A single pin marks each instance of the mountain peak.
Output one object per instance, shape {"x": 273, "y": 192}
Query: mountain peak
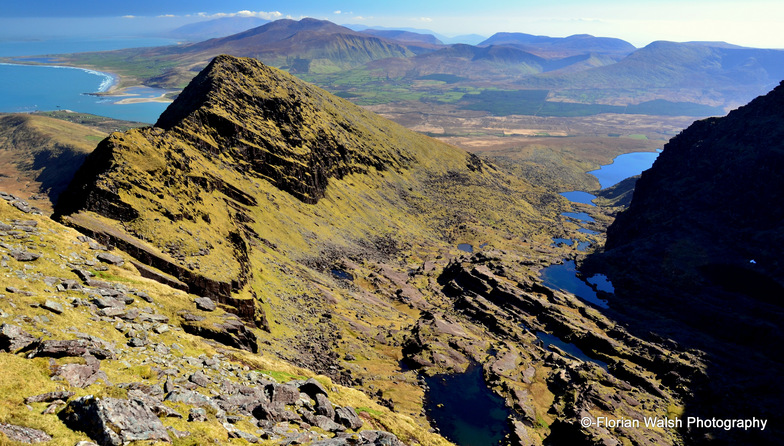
{"x": 282, "y": 127}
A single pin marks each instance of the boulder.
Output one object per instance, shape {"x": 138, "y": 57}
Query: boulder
{"x": 54, "y": 307}
{"x": 13, "y": 338}
{"x": 48, "y": 397}
{"x": 276, "y": 412}
{"x": 23, "y": 434}
{"x": 71, "y": 348}
{"x": 200, "y": 379}
{"x": 324, "y": 406}
{"x": 112, "y": 421}
{"x": 311, "y": 388}
{"x": 82, "y": 375}
{"x": 205, "y": 304}
{"x": 110, "y": 258}
{"x": 190, "y": 398}
{"x": 283, "y": 394}
{"x": 24, "y": 256}
{"x": 197, "y": 414}
{"x": 348, "y": 417}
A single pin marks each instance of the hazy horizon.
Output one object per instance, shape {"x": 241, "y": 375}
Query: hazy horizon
{"x": 752, "y": 23}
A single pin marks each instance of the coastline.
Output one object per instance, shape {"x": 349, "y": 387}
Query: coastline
{"x": 108, "y": 87}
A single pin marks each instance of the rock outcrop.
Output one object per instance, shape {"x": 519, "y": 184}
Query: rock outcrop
{"x": 114, "y": 422}
{"x": 696, "y": 256}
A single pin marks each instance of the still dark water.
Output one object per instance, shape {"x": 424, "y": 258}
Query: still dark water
{"x": 564, "y": 277}
{"x": 465, "y": 410}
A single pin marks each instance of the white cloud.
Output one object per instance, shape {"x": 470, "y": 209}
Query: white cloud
{"x": 425, "y": 19}
{"x": 271, "y": 15}
{"x": 337, "y": 12}
{"x": 129, "y": 16}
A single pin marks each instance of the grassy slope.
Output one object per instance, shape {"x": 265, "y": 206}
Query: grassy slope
{"x": 23, "y": 377}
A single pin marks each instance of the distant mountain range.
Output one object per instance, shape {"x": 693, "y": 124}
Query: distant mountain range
{"x": 580, "y": 69}
{"x": 703, "y": 72}
{"x": 553, "y": 47}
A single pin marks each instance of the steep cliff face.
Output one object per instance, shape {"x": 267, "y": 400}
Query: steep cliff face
{"x": 712, "y": 197}
{"x": 697, "y": 255}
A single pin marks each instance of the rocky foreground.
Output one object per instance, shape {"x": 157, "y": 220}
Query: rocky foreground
{"x": 96, "y": 354}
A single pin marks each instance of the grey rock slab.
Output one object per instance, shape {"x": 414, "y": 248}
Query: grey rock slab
{"x": 110, "y": 258}
{"x": 112, "y": 421}
{"x": 13, "y": 338}
{"x": 23, "y": 434}
{"x": 24, "y": 256}
{"x": 48, "y": 397}
{"x": 71, "y": 348}
{"x": 82, "y": 375}
{"x": 200, "y": 379}
{"x": 54, "y": 307}
{"x": 205, "y": 304}
{"x": 348, "y": 417}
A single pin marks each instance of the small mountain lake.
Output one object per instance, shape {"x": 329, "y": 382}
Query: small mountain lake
{"x": 465, "y": 247}
{"x": 580, "y": 216}
{"x": 624, "y": 166}
{"x": 578, "y": 196}
{"x": 564, "y": 277}
{"x": 465, "y": 411}
{"x": 548, "y": 339}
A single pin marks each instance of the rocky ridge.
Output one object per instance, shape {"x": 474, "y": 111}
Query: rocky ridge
{"x": 348, "y": 268}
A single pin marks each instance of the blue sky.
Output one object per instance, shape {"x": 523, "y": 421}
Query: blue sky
{"x": 751, "y": 22}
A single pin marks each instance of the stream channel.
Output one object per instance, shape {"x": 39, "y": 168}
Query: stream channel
{"x": 464, "y": 409}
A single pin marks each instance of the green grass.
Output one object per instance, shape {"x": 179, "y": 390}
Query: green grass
{"x": 446, "y": 78}
{"x": 369, "y": 410}
{"x": 281, "y": 377}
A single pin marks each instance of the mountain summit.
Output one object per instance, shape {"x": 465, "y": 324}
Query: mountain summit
{"x": 241, "y": 159}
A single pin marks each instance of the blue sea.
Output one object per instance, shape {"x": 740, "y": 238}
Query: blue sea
{"x": 28, "y": 88}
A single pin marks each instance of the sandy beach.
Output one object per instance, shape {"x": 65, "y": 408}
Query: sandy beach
{"x": 162, "y": 98}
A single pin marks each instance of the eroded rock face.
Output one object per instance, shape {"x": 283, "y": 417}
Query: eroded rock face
{"x": 112, "y": 421}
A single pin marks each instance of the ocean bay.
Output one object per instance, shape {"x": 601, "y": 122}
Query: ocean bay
{"x": 30, "y": 88}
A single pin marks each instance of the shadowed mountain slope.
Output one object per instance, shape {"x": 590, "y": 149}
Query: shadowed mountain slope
{"x": 696, "y": 255}
{"x": 39, "y": 154}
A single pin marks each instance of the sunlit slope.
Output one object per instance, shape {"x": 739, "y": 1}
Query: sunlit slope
{"x": 249, "y": 161}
